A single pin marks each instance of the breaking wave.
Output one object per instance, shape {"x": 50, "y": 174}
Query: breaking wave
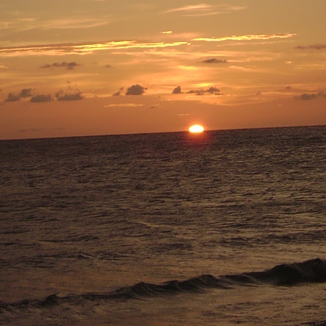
{"x": 311, "y": 271}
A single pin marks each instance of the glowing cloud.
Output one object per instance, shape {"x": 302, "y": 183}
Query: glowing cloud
{"x": 124, "y": 105}
{"x": 204, "y": 9}
{"x": 202, "y": 6}
{"x": 249, "y": 37}
{"x": 82, "y": 49}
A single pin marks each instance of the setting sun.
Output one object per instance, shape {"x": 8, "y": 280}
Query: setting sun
{"x": 196, "y": 129}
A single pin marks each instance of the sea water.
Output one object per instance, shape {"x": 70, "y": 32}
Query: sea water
{"x": 218, "y": 228}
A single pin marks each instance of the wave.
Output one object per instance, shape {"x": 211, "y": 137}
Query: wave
{"x": 310, "y": 271}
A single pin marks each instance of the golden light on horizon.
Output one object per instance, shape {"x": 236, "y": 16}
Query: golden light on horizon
{"x": 195, "y": 129}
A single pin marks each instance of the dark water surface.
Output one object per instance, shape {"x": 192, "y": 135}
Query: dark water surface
{"x": 220, "y": 228}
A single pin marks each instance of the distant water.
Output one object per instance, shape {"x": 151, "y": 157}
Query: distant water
{"x": 221, "y": 228}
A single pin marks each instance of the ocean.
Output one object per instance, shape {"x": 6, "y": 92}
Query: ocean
{"x": 220, "y": 228}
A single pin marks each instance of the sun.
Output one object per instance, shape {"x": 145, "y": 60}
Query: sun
{"x": 195, "y": 129}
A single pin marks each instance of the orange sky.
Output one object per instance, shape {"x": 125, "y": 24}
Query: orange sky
{"x": 94, "y": 67}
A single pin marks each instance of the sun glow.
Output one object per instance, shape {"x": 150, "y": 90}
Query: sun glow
{"x": 196, "y": 129}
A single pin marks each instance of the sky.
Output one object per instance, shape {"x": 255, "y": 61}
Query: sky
{"x": 100, "y": 67}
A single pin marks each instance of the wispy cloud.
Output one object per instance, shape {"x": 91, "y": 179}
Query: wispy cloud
{"x": 199, "y": 7}
{"x": 79, "y": 23}
{"x": 214, "y": 61}
{"x": 33, "y": 23}
{"x": 312, "y": 47}
{"x": 312, "y": 96}
{"x": 67, "y": 65}
{"x": 249, "y": 37}
{"x": 129, "y": 105}
{"x": 204, "y": 9}
{"x": 85, "y": 48}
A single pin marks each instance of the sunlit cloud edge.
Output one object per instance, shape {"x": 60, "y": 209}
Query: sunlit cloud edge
{"x": 82, "y": 49}
{"x": 248, "y": 37}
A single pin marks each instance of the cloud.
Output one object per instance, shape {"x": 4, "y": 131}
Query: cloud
{"x": 24, "y": 93}
{"x": 41, "y": 98}
{"x": 84, "y": 48}
{"x": 312, "y": 96}
{"x": 249, "y": 37}
{"x": 75, "y": 23}
{"x": 22, "y": 131}
{"x": 199, "y": 92}
{"x": 16, "y": 24}
{"x": 312, "y": 47}
{"x": 204, "y": 9}
{"x": 192, "y": 8}
{"x": 177, "y": 90}
{"x": 68, "y": 65}
{"x": 129, "y": 105}
{"x": 214, "y": 60}
{"x": 74, "y": 96}
{"x": 135, "y": 90}
{"x": 13, "y": 97}
{"x": 119, "y": 92}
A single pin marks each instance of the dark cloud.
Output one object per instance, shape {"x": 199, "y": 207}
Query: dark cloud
{"x": 22, "y": 131}
{"x": 312, "y": 96}
{"x": 26, "y": 92}
{"x": 119, "y": 92}
{"x": 312, "y": 47}
{"x": 213, "y": 90}
{"x": 135, "y": 90}
{"x": 108, "y": 66}
{"x": 12, "y": 97}
{"x": 41, "y": 98}
{"x": 199, "y": 92}
{"x": 177, "y": 90}
{"x": 62, "y": 96}
{"x": 214, "y": 60}
{"x": 67, "y": 65}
